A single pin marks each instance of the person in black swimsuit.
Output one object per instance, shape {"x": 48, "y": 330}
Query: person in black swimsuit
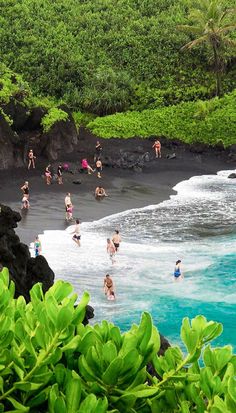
{"x": 59, "y": 174}
{"x": 98, "y": 151}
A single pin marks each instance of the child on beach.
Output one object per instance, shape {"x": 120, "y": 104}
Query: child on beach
{"x": 177, "y": 271}
{"x": 69, "y": 212}
{"x": 37, "y": 246}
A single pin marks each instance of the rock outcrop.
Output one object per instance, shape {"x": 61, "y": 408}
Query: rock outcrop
{"x": 8, "y": 144}
{"x": 24, "y": 270}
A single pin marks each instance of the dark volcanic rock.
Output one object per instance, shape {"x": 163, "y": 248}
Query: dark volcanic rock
{"x": 24, "y": 270}
{"x": 35, "y": 118}
{"x": 18, "y": 112}
{"x": 233, "y": 175}
{"x": 61, "y": 139}
{"x": 8, "y": 142}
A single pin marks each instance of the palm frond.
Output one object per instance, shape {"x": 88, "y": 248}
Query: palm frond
{"x": 194, "y": 43}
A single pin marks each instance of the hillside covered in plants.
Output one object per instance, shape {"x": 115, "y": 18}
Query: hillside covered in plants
{"x": 100, "y": 57}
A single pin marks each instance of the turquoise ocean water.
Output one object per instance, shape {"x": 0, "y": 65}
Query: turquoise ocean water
{"x": 197, "y": 225}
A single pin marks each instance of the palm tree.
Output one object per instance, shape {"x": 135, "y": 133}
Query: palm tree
{"x": 211, "y": 24}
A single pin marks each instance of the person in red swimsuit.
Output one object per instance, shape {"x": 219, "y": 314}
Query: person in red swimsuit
{"x": 157, "y": 148}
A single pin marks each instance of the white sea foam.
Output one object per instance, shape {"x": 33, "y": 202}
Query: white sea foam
{"x": 193, "y": 226}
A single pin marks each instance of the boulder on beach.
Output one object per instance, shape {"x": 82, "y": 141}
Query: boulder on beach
{"x": 233, "y": 175}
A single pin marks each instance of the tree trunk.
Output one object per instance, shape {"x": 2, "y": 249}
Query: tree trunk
{"x": 217, "y": 69}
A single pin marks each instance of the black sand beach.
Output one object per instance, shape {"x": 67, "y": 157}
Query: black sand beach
{"x": 126, "y": 190}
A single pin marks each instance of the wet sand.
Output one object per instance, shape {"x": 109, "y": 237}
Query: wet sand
{"x": 126, "y": 190}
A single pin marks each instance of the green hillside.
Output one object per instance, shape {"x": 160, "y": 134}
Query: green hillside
{"x": 104, "y": 56}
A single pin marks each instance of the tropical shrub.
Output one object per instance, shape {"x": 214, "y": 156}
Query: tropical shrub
{"x": 51, "y": 363}
{"x": 54, "y": 115}
{"x": 76, "y": 50}
{"x": 188, "y": 122}
{"x": 12, "y": 86}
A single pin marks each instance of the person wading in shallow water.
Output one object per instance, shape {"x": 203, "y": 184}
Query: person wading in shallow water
{"x": 76, "y": 237}
{"x": 111, "y": 250}
{"x": 157, "y": 148}
{"x": 108, "y": 285}
{"x": 116, "y": 239}
{"x": 31, "y": 159}
{"x": 177, "y": 271}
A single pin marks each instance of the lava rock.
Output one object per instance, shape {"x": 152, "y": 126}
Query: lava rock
{"x": 233, "y": 175}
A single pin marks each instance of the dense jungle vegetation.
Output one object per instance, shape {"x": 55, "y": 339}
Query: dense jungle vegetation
{"x": 103, "y": 57}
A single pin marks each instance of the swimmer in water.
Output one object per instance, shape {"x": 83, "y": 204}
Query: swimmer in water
{"x": 108, "y": 285}
{"x": 177, "y": 271}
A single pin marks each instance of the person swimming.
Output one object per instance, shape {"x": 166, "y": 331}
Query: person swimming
{"x": 177, "y": 270}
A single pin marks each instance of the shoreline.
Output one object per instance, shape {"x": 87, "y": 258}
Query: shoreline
{"x": 126, "y": 189}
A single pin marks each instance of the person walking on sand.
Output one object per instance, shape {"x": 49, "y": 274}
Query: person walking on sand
{"x": 67, "y": 203}
{"x": 76, "y": 237}
{"x": 177, "y": 271}
{"x": 98, "y": 151}
{"x": 31, "y": 159}
{"x": 59, "y": 174}
{"x": 111, "y": 250}
{"x": 48, "y": 175}
{"x": 116, "y": 239}
{"x": 86, "y": 166}
{"x": 100, "y": 192}
{"x": 37, "y": 246}
{"x": 157, "y": 148}
{"x": 99, "y": 167}
{"x": 108, "y": 285}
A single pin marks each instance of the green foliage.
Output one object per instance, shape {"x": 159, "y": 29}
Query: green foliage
{"x": 211, "y": 23}
{"x": 96, "y": 55}
{"x": 12, "y": 86}
{"x": 6, "y": 117}
{"x": 54, "y": 115}
{"x": 51, "y": 363}
{"x": 207, "y": 122}
{"x": 82, "y": 119}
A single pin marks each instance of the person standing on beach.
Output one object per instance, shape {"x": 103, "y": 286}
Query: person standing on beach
{"x": 157, "y": 148}
{"x": 98, "y": 151}
{"x": 31, "y": 159}
{"x": 76, "y": 237}
{"x": 177, "y": 271}
{"x": 37, "y": 246}
{"x": 67, "y": 203}
{"x": 48, "y": 175}
{"x": 116, "y": 239}
{"x": 25, "y": 199}
{"x": 59, "y": 174}
{"x": 108, "y": 285}
{"x": 99, "y": 168}
{"x": 111, "y": 250}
